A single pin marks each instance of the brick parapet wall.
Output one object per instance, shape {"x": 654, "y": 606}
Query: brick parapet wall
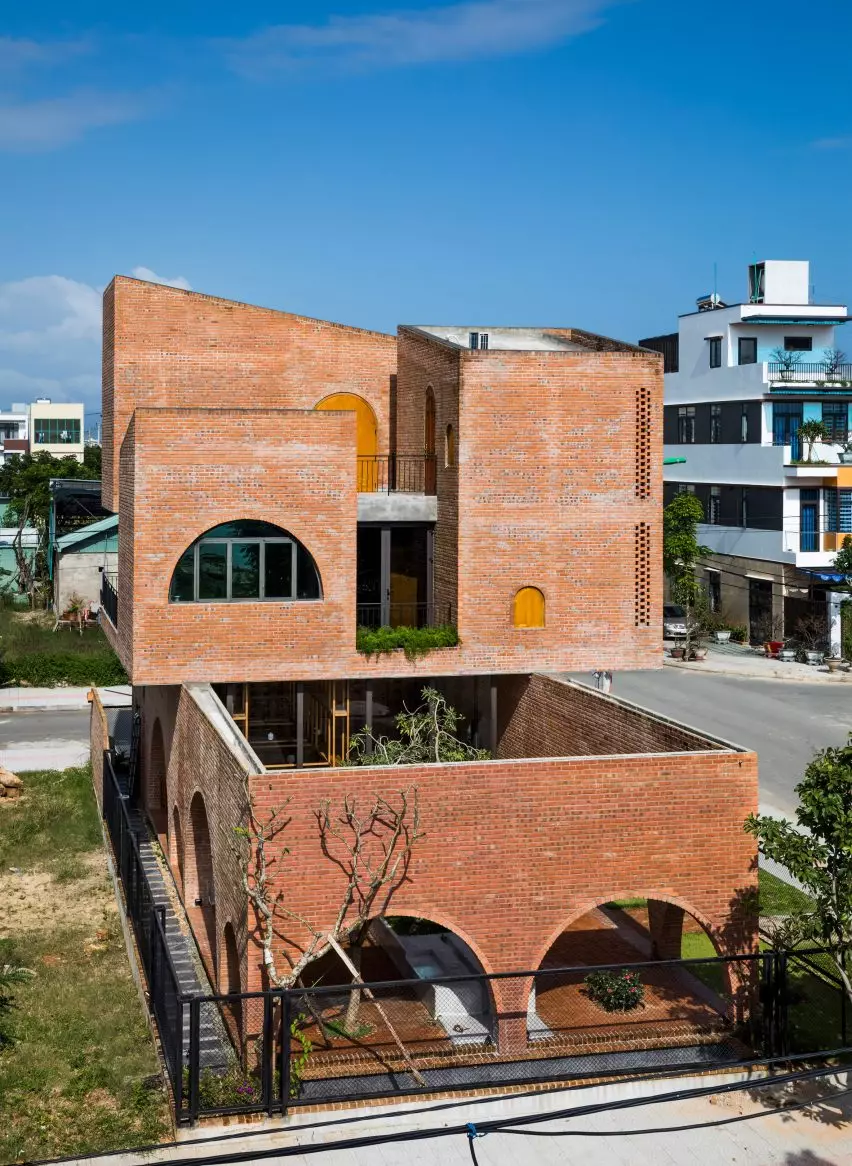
{"x": 542, "y": 716}
{"x": 165, "y": 347}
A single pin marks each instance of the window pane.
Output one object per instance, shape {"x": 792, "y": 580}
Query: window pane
{"x": 183, "y": 579}
{"x": 279, "y": 571}
{"x": 212, "y": 571}
{"x": 245, "y": 570}
{"x": 748, "y": 350}
{"x": 307, "y": 580}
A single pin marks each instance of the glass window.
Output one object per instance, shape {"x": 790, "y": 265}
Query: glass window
{"x": 224, "y": 564}
{"x": 278, "y": 576}
{"x": 245, "y": 570}
{"x": 686, "y": 424}
{"x": 714, "y": 505}
{"x": 799, "y": 343}
{"x": 213, "y": 570}
{"x": 715, "y": 351}
{"x": 715, "y": 423}
{"x": 838, "y": 511}
{"x": 56, "y": 431}
{"x": 747, "y": 350}
{"x": 744, "y": 513}
{"x": 835, "y": 417}
{"x": 714, "y": 590}
{"x": 744, "y": 422}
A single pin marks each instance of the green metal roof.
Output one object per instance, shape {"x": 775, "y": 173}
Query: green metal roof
{"x": 786, "y": 320}
{"x": 103, "y": 526}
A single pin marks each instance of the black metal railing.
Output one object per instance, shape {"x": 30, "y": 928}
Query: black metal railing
{"x": 413, "y": 1037}
{"x": 149, "y": 928}
{"x": 397, "y": 473}
{"x": 409, "y": 615}
{"x": 109, "y": 598}
{"x": 806, "y": 373}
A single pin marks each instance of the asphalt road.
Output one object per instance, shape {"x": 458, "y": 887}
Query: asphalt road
{"x": 783, "y": 721}
{"x": 43, "y": 740}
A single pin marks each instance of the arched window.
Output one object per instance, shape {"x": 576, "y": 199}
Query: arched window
{"x": 528, "y": 609}
{"x": 449, "y": 447}
{"x": 245, "y": 560}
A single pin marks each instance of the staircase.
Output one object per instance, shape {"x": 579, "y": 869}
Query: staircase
{"x": 215, "y": 1050}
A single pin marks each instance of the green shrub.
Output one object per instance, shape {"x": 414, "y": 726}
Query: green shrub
{"x": 413, "y": 641}
{"x": 615, "y": 991}
{"x": 47, "y": 669}
{"x": 739, "y": 633}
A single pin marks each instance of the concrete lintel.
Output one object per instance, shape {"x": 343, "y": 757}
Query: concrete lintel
{"x": 384, "y": 507}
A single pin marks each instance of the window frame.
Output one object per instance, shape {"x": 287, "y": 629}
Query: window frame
{"x": 715, "y": 351}
{"x": 837, "y": 409}
{"x": 798, "y": 344}
{"x": 686, "y": 424}
{"x": 741, "y": 341}
{"x": 714, "y": 506}
{"x": 46, "y": 431}
{"x": 715, "y": 423}
{"x": 261, "y": 597}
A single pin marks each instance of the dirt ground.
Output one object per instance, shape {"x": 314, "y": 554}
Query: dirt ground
{"x": 36, "y": 900}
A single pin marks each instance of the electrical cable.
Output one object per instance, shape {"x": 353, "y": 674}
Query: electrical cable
{"x": 500, "y": 1124}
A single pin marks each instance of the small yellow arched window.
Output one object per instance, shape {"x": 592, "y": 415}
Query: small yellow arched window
{"x": 528, "y": 610}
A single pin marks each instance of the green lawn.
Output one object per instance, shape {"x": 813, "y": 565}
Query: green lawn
{"x": 778, "y": 897}
{"x": 34, "y": 653}
{"x": 78, "y": 1069}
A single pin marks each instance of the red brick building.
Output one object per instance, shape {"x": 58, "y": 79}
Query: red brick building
{"x": 280, "y": 481}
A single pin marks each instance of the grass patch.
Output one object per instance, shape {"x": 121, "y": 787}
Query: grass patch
{"x": 34, "y": 654}
{"x": 626, "y": 904}
{"x": 78, "y": 1069}
{"x": 413, "y": 641}
{"x": 778, "y": 897}
{"x": 53, "y": 825}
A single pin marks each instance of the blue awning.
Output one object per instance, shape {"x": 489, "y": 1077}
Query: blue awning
{"x": 825, "y": 576}
{"x": 787, "y": 321}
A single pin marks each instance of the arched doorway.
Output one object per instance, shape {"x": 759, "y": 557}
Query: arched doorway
{"x": 230, "y": 982}
{"x": 638, "y": 940}
{"x": 429, "y": 440}
{"x": 176, "y": 855}
{"x": 156, "y": 791}
{"x": 432, "y": 1020}
{"x": 199, "y": 888}
{"x": 369, "y": 476}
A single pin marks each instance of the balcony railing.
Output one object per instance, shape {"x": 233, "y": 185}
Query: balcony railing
{"x": 397, "y": 474}
{"x": 808, "y": 373}
{"x": 109, "y": 598}
{"x": 410, "y": 615}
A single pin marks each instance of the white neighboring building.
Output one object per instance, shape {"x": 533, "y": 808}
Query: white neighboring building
{"x": 740, "y": 380}
{"x": 14, "y": 430}
{"x": 56, "y": 428}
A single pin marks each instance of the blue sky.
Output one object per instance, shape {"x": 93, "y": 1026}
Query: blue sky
{"x": 494, "y": 161}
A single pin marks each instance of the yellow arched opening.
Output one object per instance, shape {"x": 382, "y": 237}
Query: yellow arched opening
{"x": 528, "y": 611}
{"x": 367, "y": 440}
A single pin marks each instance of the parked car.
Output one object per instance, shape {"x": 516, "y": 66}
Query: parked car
{"x": 674, "y": 621}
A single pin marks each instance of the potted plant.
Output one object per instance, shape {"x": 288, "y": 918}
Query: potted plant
{"x": 739, "y": 633}
{"x": 832, "y": 359}
{"x": 845, "y": 454}
{"x": 677, "y": 652}
{"x": 722, "y": 635}
{"x": 788, "y": 358}
{"x": 835, "y": 663}
{"x": 811, "y": 432}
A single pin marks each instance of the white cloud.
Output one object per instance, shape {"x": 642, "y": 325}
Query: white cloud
{"x": 56, "y": 121}
{"x": 20, "y": 53}
{"x": 454, "y": 32}
{"x": 841, "y": 143}
{"x": 151, "y": 277}
{"x": 50, "y": 338}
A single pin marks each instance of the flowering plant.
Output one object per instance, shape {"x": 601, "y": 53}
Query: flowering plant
{"x": 620, "y": 991}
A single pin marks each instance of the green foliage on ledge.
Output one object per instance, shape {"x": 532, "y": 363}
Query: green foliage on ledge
{"x": 413, "y": 641}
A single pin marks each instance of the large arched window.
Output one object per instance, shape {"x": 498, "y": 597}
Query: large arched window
{"x": 245, "y": 560}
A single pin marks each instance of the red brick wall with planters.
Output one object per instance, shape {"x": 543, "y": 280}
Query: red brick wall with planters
{"x": 165, "y": 347}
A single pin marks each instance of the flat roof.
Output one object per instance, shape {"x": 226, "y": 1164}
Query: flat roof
{"x": 521, "y": 338}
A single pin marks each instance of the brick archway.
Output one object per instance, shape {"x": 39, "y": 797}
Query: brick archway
{"x": 199, "y": 885}
{"x": 176, "y": 851}
{"x": 156, "y": 785}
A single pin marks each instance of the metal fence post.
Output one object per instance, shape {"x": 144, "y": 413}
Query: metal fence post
{"x": 267, "y": 1056}
{"x": 783, "y": 1004}
{"x": 194, "y": 1051}
{"x": 178, "y": 1081}
{"x": 286, "y": 1021}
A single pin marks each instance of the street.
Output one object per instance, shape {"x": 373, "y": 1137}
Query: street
{"x": 783, "y": 721}
{"x": 52, "y": 739}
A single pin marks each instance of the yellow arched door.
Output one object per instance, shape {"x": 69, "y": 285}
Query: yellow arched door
{"x": 369, "y": 471}
{"x": 528, "y": 608}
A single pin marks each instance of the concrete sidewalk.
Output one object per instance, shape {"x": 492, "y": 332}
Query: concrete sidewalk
{"x": 59, "y": 699}
{"x": 755, "y": 666}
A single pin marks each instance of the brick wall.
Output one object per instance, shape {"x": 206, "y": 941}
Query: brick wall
{"x": 165, "y": 347}
{"x": 541, "y": 716}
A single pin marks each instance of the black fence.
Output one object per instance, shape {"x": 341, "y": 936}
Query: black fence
{"x": 807, "y": 372}
{"x": 409, "y": 615}
{"x": 397, "y": 473}
{"x": 148, "y": 927}
{"x": 337, "y": 1043}
{"x": 109, "y": 599}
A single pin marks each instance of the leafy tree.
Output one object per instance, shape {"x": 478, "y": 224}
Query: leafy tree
{"x": 822, "y": 858}
{"x": 25, "y": 481}
{"x": 426, "y": 735}
{"x": 681, "y": 548}
{"x": 811, "y": 432}
{"x": 842, "y": 561}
